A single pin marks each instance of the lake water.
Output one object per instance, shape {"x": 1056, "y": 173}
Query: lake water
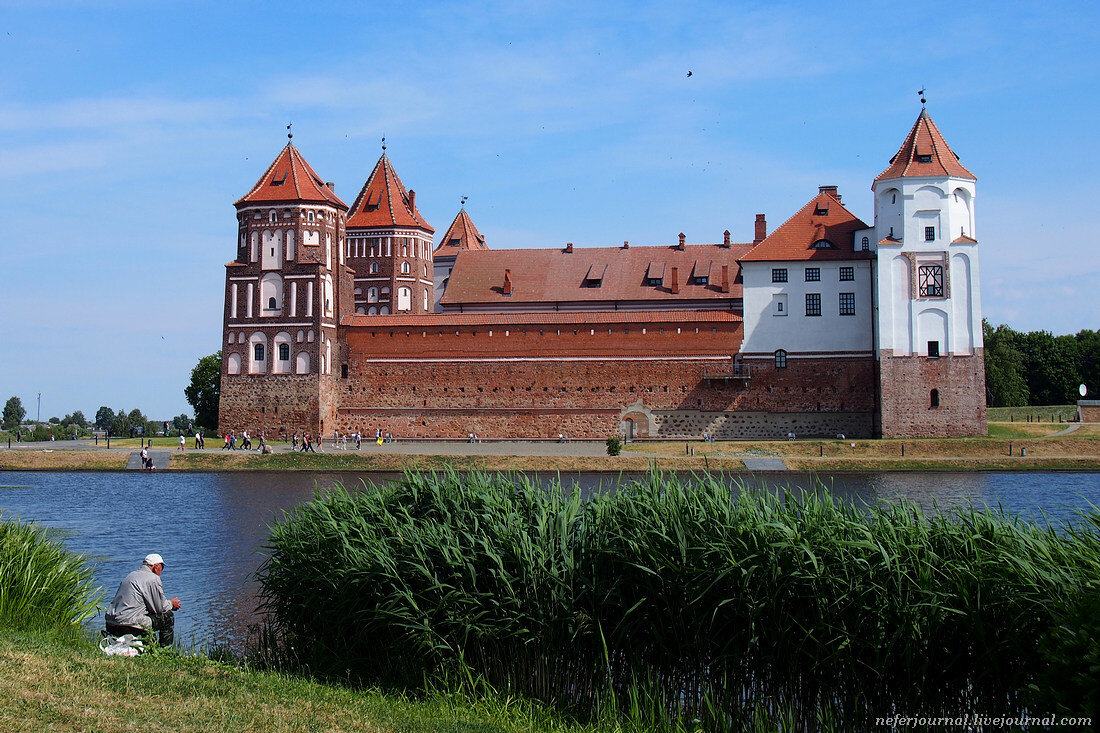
{"x": 211, "y": 527}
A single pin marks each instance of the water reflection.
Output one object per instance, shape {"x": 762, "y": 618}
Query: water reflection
{"x": 211, "y": 527}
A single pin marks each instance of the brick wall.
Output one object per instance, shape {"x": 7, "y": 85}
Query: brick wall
{"x": 269, "y": 402}
{"x": 906, "y": 394}
{"x": 578, "y": 379}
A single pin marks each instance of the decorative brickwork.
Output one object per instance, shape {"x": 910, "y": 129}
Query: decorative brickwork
{"x": 907, "y": 398}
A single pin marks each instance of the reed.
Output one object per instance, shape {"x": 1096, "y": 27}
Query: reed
{"x": 42, "y": 585}
{"x": 686, "y": 600}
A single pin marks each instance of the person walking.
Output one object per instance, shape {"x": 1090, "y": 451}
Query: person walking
{"x": 181, "y": 440}
{"x": 139, "y": 605}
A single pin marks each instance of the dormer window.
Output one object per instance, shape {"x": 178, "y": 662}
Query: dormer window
{"x": 823, "y": 244}
{"x": 594, "y": 277}
{"x": 821, "y": 210}
{"x": 455, "y": 242}
{"x": 654, "y": 281}
{"x": 924, "y": 158}
{"x": 280, "y": 181}
{"x": 700, "y": 280}
{"x": 865, "y": 244}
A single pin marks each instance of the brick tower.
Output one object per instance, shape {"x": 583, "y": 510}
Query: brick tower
{"x": 284, "y": 294}
{"x": 929, "y": 325}
{"x": 389, "y": 246}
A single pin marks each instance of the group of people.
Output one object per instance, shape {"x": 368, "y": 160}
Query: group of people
{"x": 307, "y": 443}
{"x": 246, "y": 441}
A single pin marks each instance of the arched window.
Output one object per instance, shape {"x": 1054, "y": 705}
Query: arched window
{"x": 425, "y": 300}
{"x": 272, "y": 216}
{"x": 780, "y": 359}
{"x": 384, "y": 311}
{"x": 865, "y": 244}
{"x": 271, "y": 294}
{"x": 372, "y": 295}
{"x": 404, "y": 268}
{"x": 374, "y": 268}
{"x": 934, "y": 399}
{"x": 404, "y": 299}
{"x": 311, "y": 216}
{"x": 257, "y": 352}
{"x": 372, "y": 311}
{"x": 328, "y": 295}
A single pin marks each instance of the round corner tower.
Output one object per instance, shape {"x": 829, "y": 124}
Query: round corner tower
{"x": 284, "y": 294}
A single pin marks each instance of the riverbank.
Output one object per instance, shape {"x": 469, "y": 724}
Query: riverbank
{"x": 58, "y": 681}
{"x": 1011, "y": 446}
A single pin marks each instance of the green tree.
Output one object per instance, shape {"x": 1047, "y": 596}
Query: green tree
{"x": 13, "y": 413}
{"x": 1088, "y": 361}
{"x": 76, "y": 418}
{"x": 1050, "y": 367}
{"x": 205, "y": 390}
{"x": 104, "y": 416}
{"x": 180, "y": 422}
{"x": 1005, "y": 385}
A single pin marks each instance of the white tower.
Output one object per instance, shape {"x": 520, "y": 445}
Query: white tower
{"x": 928, "y": 328}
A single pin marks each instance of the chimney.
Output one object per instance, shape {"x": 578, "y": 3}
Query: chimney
{"x": 569, "y": 248}
{"x": 412, "y": 200}
{"x": 761, "y": 229}
{"x": 330, "y": 186}
{"x": 675, "y": 281}
{"x": 507, "y": 282}
{"x": 829, "y": 191}
{"x": 725, "y": 278}
{"x": 626, "y": 244}
{"x": 681, "y": 245}
{"x": 726, "y": 238}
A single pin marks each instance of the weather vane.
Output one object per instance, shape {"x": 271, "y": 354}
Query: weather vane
{"x": 922, "y": 99}
{"x": 383, "y": 143}
{"x": 289, "y": 132}
{"x": 464, "y": 200}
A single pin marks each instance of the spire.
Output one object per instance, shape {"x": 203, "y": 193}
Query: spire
{"x": 461, "y": 235}
{"x": 384, "y": 202}
{"x": 291, "y": 178}
{"x": 925, "y": 153}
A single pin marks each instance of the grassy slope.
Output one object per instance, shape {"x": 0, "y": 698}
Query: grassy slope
{"x": 48, "y": 682}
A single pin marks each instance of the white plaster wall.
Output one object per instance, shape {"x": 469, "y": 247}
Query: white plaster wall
{"x": 948, "y": 204}
{"x": 767, "y": 330}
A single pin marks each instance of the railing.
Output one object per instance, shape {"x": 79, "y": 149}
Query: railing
{"x": 733, "y": 371}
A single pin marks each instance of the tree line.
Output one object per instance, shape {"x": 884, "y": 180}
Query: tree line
{"x": 1038, "y": 368}
{"x": 122, "y": 423}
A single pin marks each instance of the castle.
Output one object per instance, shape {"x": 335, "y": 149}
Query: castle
{"x": 353, "y": 318}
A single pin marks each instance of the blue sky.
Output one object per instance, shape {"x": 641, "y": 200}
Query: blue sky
{"x": 127, "y": 130}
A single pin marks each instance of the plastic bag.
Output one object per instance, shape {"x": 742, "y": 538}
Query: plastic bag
{"x": 126, "y": 645}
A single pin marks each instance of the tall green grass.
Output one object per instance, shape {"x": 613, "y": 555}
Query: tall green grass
{"x": 42, "y": 585}
{"x": 677, "y": 600}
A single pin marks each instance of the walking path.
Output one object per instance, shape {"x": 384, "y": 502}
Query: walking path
{"x": 1066, "y": 431}
{"x": 764, "y": 464}
{"x": 159, "y": 458}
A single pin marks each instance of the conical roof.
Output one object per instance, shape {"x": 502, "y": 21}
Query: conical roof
{"x": 291, "y": 178}
{"x": 821, "y": 230}
{"x": 461, "y": 235}
{"x": 925, "y": 153}
{"x": 384, "y": 202}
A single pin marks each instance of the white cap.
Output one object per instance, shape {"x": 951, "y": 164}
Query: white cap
{"x": 154, "y": 559}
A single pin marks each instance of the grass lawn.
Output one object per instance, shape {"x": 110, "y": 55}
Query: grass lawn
{"x": 57, "y": 683}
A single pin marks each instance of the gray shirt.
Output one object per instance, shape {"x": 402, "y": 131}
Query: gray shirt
{"x": 139, "y": 595}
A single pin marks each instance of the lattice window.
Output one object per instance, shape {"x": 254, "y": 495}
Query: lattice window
{"x": 930, "y": 279}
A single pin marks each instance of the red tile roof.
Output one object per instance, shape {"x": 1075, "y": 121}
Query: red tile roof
{"x": 554, "y": 275}
{"x": 291, "y": 179}
{"x": 925, "y": 153}
{"x": 443, "y": 320}
{"x": 822, "y": 218}
{"x": 384, "y": 202}
{"x": 963, "y": 239}
{"x": 461, "y": 235}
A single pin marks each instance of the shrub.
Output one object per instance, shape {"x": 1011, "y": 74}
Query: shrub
{"x": 41, "y": 583}
{"x": 614, "y": 445}
{"x": 681, "y": 598}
